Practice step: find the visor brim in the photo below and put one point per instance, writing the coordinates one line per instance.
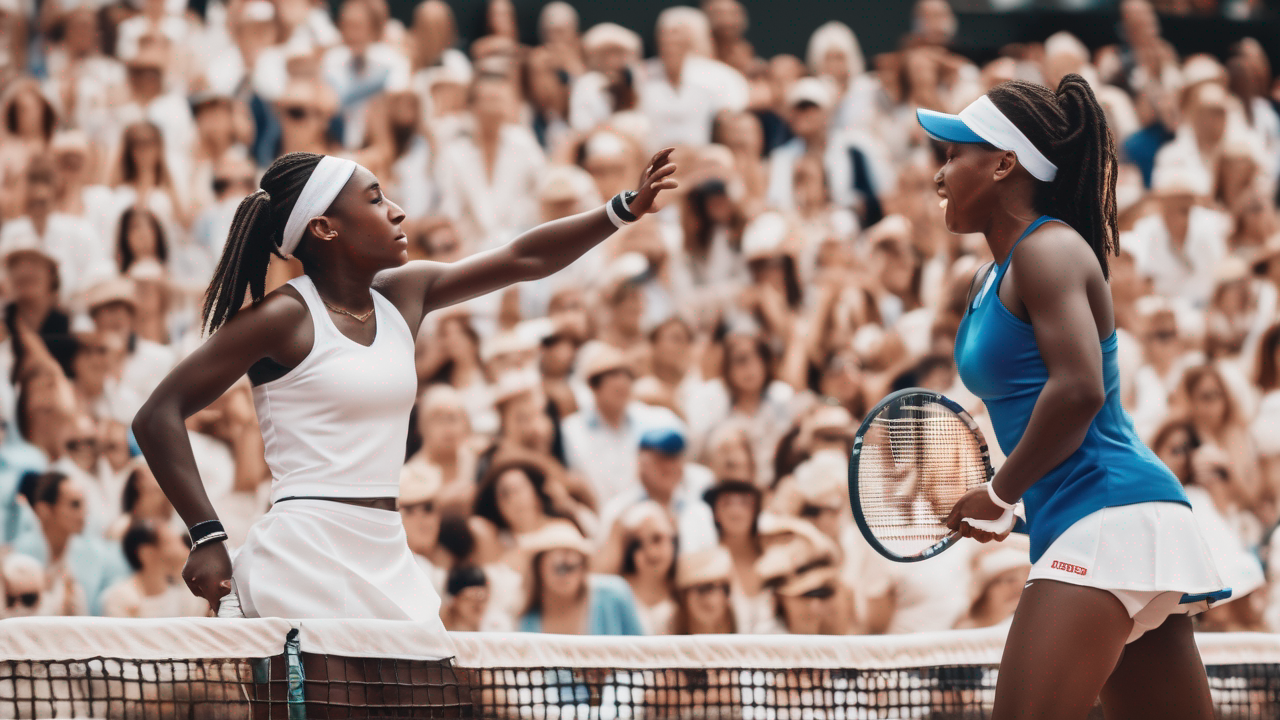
(946, 128)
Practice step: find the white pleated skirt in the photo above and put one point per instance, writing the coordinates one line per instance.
(1150, 555)
(311, 559)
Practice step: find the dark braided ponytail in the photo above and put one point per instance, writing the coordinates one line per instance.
(1070, 128)
(256, 234)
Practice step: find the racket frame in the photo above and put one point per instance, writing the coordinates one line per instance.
(855, 498)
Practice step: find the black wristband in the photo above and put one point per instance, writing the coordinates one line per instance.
(202, 530)
(620, 208)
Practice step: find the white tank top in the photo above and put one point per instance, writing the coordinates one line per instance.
(336, 425)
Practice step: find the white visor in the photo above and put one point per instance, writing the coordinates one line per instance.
(982, 121)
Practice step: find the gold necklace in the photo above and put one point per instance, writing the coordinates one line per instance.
(361, 318)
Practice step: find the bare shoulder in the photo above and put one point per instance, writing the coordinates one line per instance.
(278, 327)
(406, 287)
(1054, 256)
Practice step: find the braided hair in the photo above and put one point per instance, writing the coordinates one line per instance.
(1070, 128)
(256, 234)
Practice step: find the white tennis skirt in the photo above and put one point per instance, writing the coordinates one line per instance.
(310, 559)
(1149, 555)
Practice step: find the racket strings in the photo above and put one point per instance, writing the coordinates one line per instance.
(918, 458)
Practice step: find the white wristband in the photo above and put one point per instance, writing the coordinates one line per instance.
(991, 493)
(613, 216)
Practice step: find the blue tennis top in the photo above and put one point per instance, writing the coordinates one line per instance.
(998, 360)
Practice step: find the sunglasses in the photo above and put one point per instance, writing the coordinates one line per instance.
(566, 568)
(297, 112)
(1164, 335)
(822, 593)
(77, 444)
(27, 599)
(710, 588)
(814, 511)
(221, 185)
(425, 507)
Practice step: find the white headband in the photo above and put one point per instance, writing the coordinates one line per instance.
(326, 181)
(984, 118)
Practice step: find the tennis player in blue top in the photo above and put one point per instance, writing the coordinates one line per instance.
(1118, 562)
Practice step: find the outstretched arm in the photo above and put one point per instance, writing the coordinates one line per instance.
(535, 254)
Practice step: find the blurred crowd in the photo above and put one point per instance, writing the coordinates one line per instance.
(654, 440)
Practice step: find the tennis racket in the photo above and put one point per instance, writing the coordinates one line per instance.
(915, 455)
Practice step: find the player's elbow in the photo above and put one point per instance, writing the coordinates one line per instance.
(1088, 397)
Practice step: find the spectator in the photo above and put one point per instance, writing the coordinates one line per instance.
(602, 441)
(467, 607)
(27, 591)
(487, 180)
(444, 457)
(419, 495)
(702, 583)
(850, 178)
(68, 240)
(564, 598)
(649, 544)
(516, 497)
(683, 89)
(156, 553)
(1203, 394)
(61, 545)
(998, 579)
(665, 477)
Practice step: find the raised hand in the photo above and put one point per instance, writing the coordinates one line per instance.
(655, 178)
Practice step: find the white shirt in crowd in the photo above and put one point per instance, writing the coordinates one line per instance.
(125, 599)
(382, 67)
(607, 456)
(493, 207)
(1190, 279)
(72, 241)
(684, 115)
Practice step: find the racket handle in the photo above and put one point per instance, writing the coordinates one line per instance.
(999, 526)
(229, 606)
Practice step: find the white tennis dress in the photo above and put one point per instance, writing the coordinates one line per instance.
(335, 426)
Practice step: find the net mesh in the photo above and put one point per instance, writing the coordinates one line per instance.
(916, 459)
(231, 672)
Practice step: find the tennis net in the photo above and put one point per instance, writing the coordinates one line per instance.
(268, 668)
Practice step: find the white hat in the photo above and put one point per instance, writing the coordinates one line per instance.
(1180, 179)
(506, 342)
(1202, 68)
(832, 417)
(599, 358)
(116, 289)
(611, 34)
(21, 238)
(419, 482)
(605, 143)
(258, 11)
(713, 564)
(809, 581)
(811, 90)
(565, 182)
(515, 383)
(1063, 42)
(555, 535)
(823, 478)
(440, 395)
(147, 269)
(627, 267)
(763, 237)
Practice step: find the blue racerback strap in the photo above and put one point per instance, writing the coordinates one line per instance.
(1030, 229)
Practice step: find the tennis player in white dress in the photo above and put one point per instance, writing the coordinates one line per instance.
(331, 359)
